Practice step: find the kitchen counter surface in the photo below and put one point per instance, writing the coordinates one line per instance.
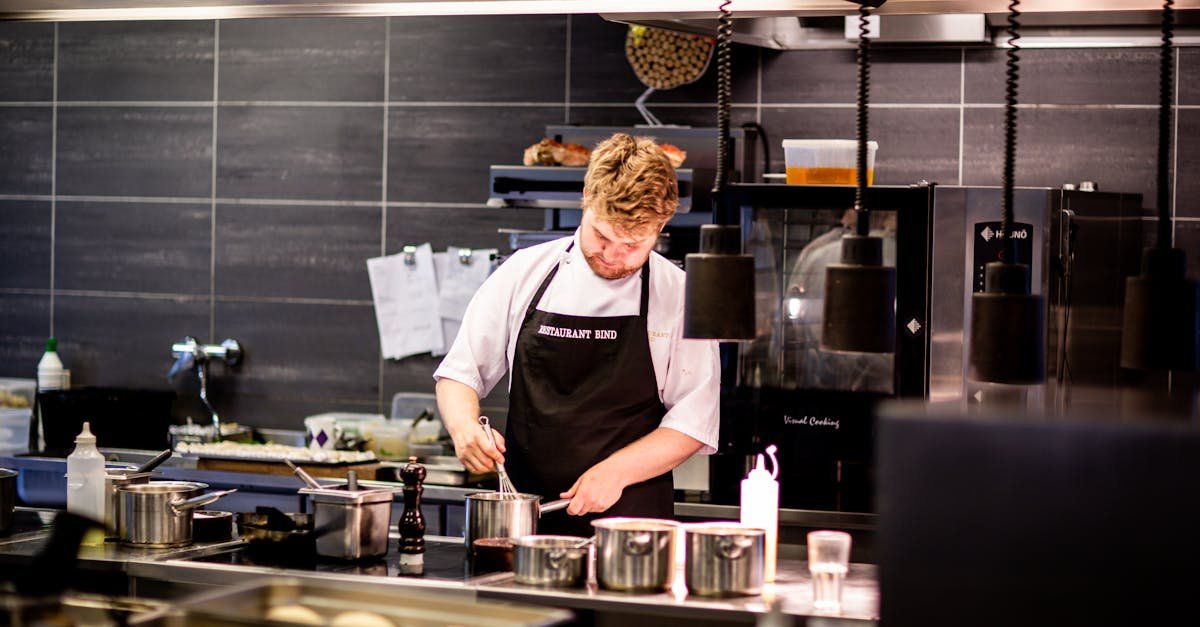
(219, 564)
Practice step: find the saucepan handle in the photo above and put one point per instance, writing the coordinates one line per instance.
(182, 505)
(553, 506)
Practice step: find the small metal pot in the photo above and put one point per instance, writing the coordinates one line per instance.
(351, 524)
(114, 479)
(635, 554)
(8, 497)
(158, 514)
(723, 559)
(552, 561)
(496, 515)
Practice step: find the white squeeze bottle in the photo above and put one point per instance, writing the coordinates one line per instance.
(760, 506)
(50, 368)
(85, 477)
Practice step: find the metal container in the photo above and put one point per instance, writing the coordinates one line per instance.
(551, 561)
(723, 559)
(113, 480)
(635, 554)
(158, 514)
(8, 497)
(351, 524)
(496, 515)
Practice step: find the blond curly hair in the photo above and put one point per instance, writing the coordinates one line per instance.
(631, 184)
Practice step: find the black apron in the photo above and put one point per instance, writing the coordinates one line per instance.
(582, 388)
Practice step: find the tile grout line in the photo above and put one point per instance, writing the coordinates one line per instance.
(53, 175)
(383, 192)
(567, 86)
(212, 215)
(962, 110)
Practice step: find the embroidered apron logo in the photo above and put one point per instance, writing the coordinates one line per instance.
(577, 334)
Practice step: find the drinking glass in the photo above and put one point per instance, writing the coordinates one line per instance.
(828, 561)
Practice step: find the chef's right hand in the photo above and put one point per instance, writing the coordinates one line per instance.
(475, 451)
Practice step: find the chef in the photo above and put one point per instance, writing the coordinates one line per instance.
(606, 397)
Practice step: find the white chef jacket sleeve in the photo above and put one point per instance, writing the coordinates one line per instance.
(478, 357)
(692, 390)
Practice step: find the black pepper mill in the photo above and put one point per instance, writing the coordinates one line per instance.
(412, 523)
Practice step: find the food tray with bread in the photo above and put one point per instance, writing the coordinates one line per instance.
(243, 451)
(288, 601)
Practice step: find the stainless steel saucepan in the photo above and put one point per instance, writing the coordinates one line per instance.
(497, 515)
(159, 513)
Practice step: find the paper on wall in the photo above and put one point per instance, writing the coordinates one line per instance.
(406, 303)
(458, 284)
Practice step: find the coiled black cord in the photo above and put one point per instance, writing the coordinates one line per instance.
(724, 92)
(863, 218)
(1166, 88)
(1010, 130)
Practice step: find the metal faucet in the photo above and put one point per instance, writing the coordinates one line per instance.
(189, 353)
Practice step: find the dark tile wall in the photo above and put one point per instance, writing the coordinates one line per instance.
(230, 179)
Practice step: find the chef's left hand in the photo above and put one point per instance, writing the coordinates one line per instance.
(594, 491)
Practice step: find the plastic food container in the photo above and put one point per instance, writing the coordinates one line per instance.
(16, 401)
(826, 161)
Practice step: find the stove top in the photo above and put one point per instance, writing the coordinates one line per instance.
(444, 561)
(26, 520)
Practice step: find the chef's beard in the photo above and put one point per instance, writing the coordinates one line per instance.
(609, 272)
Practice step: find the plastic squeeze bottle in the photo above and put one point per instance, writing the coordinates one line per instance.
(85, 477)
(50, 368)
(760, 506)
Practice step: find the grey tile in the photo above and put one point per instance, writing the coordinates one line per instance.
(1187, 238)
(24, 327)
(411, 374)
(133, 247)
(142, 151)
(24, 244)
(1067, 76)
(313, 153)
(303, 353)
(1189, 75)
(1187, 166)
(27, 73)
(898, 75)
(296, 251)
(135, 60)
(1055, 146)
(124, 342)
(479, 58)
(442, 154)
(442, 227)
(914, 144)
(272, 412)
(600, 72)
(302, 59)
(27, 135)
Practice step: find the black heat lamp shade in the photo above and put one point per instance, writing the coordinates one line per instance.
(1160, 330)
(1008, 328)
(719, 290)
(860, 299)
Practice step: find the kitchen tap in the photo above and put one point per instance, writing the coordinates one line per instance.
(189, 353)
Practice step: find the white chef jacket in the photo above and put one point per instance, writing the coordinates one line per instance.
(688, 372)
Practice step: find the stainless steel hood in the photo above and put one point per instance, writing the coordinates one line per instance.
(620, 9)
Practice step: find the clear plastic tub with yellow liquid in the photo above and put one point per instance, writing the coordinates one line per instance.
(826, 161)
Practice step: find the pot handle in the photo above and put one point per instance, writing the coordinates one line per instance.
(639, 544)
(733, 548)
(553, 506)
(183, 505)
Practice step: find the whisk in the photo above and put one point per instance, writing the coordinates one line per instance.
(507, 490)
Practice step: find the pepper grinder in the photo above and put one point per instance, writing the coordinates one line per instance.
(412, 523)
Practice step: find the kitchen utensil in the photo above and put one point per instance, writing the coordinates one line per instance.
(358, 520)
(304, 476)
(635, 554)
(113, 480)
(497, 515)
(8, 497)
(506, 486)
(665, 59)
(551, 561)
(155, 461)
(724, 559)
(211, 526)
(159, 513)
